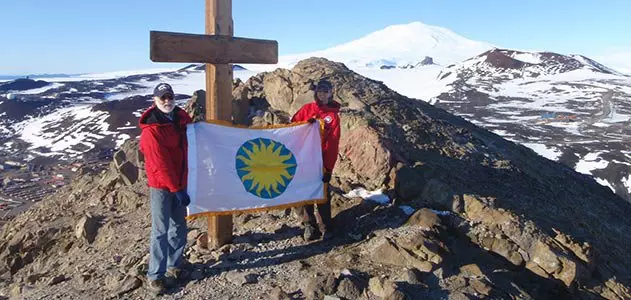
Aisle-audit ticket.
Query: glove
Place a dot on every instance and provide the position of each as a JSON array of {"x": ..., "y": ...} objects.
[
  {"x": 311, "y": 120},
  {"x": 327, "y": 177},
  {"x": 182, "y": 198}
]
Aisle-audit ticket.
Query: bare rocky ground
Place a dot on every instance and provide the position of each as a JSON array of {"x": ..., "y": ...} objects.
[
  {"x": 492, "y": 219},
  {"x": 92, "y": 240}
]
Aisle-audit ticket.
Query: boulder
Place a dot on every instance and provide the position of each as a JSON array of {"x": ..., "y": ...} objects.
[
  {"x": 381, "y": 287},
  {"x": 369, "y": 156},
  {"x": 386, "y": 252},
  {"x": 128, "y": 173},
  {"x": 86, "y": 228},
  {"x": 315, "y": 287},
  {"x": 408, "y": 182},
  {"x": 350, "y": 288},
  {"x": 119, "y": 158},
  {"x": 438, "y": 194},
  {"x": 425, "y": 219}
]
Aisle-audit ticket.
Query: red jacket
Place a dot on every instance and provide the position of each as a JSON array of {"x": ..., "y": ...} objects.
[
  {"x": 163, "y": 143},
  {"x": 331, "y": 140}
]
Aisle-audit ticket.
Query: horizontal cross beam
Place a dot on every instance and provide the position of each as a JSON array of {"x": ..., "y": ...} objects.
[{"x": 212, "y": 49}]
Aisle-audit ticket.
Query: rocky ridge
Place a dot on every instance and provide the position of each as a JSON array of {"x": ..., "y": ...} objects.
[{"x": 491, "y": 218}]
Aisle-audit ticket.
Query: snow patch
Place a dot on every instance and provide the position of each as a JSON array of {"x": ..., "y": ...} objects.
[
  {"x": 376, "y": 196},
  {"x": 606, "y": 183},
  {"x": 591, "y": 162},
  {"x": 531, "y": 58},
  {"x": 627, "y": 183},
  {"x": 419, "y": 83},
  {"x": 503, "y": 133},
  {"x": 34, "y": 131},
  {"x": 39, "y": 90},
  {"x": 121, "y": 139},
  {"x": 83, "y": 127}
]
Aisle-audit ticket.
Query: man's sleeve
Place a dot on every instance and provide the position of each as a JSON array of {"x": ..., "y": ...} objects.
[{"x": 159, "y": 156}]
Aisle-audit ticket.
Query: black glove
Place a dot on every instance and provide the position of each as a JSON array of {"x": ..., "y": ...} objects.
[
  {"x": 327, "y": 177},
  {"x": 182, "y": 198},
  {"x": 311, "y": 120}
]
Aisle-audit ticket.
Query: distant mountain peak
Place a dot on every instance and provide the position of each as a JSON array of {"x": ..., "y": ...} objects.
[
  {"x": 518, "y": 64},
  {"x": 400, "y": 45}
]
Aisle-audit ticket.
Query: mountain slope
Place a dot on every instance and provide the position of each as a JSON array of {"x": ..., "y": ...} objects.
[
  {"x": 569, "y": 108},
  {"x": 79, "y": 118}
]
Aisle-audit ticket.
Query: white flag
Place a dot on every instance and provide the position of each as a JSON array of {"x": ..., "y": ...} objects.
[{"x": 233, "y": 169}]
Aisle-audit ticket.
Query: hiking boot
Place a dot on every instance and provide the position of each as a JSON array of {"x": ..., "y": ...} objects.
[
  {"x": 310, "y": 233},
  {"x": 175, "y": 276},
  {"x": 156, "y": 286},
  {"x": 170, "y": 282},
  {"x": 327, "y": 235}
]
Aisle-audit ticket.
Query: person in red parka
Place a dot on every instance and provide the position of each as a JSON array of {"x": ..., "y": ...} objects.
[
  {"x": 326, "y": 109},
  {"x": 163, "y": 143}
]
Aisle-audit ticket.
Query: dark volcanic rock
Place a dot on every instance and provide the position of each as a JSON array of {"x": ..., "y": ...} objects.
[
  {"x": 22, "y": 84},
  {"x": 427, "y": 61},
  {"x": 500, "y": 60},
  {"x": 16, "y": 110}
]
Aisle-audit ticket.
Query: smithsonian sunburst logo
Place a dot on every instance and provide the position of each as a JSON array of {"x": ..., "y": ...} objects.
[{"x": 265, "y": 167}]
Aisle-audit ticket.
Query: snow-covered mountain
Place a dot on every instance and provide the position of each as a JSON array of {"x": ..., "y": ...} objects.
[
  {"x": 398, "y": 46},
  {"x": 567, "y": 108},
  {"x": 86, "y": 116}
]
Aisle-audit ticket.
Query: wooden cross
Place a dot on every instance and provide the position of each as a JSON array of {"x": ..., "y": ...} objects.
[{"x": 218, "y": 49}]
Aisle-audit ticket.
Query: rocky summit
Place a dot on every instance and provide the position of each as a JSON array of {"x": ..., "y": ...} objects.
[{"x": 470, "y": 216}]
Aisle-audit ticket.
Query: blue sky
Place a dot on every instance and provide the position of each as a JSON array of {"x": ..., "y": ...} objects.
[{"x": 72, "y": 36}]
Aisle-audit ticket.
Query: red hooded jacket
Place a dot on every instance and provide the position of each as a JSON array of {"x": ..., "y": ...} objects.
[
  {"x": 163, "y": 143},
  {"x": 331, "y": 140}
]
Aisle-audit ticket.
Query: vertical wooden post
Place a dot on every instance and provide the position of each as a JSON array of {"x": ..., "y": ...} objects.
[{"x": 219, "y": 102}]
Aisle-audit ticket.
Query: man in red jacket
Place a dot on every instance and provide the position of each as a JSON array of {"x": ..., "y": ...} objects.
[
  {"x": 326, "y": 109},
  {"x": 163, "y": 143}
]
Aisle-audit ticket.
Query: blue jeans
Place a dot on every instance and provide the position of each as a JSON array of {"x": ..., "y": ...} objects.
[{"x": 168, "y": 233}]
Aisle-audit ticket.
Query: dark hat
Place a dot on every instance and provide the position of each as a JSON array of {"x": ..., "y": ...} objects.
[
  {"x": 324, "y": 84},
  {"x": 163, "y": 89}
]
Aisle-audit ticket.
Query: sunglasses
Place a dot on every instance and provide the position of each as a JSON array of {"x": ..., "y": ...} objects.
[{"x": 166, "y": 97}]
